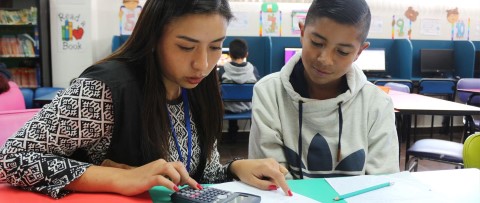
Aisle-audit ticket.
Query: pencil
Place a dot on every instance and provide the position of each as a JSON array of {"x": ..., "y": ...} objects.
[{"x": 365, "y": 190}]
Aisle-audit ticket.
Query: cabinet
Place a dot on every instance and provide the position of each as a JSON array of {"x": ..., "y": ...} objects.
[{"x": 24, "y": 41}]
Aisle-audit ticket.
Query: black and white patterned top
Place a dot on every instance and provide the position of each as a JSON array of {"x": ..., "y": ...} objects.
[{"x": 81, "y": 117}]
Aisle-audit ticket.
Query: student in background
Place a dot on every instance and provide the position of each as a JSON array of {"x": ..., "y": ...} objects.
[
  {"x": 319, "y": 116},
  {"x": 11, "y": 98},
  {"x": 149, "y": 114},
  {"x": 238, "y": 71}
]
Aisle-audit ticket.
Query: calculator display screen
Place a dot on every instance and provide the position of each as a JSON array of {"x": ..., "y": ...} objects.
[{"x": 241, "y": 198}]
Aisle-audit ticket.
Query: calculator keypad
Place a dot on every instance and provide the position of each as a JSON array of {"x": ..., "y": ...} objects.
[{"x": 206, "y": 195}]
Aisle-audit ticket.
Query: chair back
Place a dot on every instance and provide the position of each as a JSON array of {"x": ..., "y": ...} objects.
[
  {"x": 468, "y": 83},
  {"x": 28, "y": 97},
  {"x": 471, "y": 151},
  {"x": 12, "y": 121},
  {"x": 237, "y": 92},
  {"x": 398, "y": 87},
  {"x": 41, "y": 91},
  {"x": 438, "y": 86},
  {"x": 382, "y": 82},
  {"x": 12, "y": 99}
]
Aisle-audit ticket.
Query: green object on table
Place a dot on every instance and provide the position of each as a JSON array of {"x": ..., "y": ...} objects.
[
  {"x": 315, "y": 188},
  {"x": 365, "y": 190}
]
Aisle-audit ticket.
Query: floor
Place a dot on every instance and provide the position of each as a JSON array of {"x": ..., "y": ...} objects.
[{"x": 239, "y": 148}]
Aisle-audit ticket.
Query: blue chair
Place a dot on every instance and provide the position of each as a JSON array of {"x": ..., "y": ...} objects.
[
  {"x": 28, "y": 96},
  {"x": 382, "y": 82},
  {"x": 232, "y": 92},
  {"x": 471, "y": 99},
  {"x": 118, "y": 41},
  {"x": 438, "y": 87},
  {"x": 398, "y": 87},
  {"x": 41, "y": 92}
]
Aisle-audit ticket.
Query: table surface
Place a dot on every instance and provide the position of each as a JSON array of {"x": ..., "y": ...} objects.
[
  {"x": 460, "y": 185},
  {"x": 419, "y": 104}
]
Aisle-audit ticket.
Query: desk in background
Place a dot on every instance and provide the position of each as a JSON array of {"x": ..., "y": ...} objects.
[
  {"x": 415, "y": 104},
  {"x": 458, "y": 185}
]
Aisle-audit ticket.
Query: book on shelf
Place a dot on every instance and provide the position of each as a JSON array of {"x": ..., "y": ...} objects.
[
  {"x": 25, "y": 77},
  {"x": 21, "y": 45},
  {"x": 26, "y": 16}
]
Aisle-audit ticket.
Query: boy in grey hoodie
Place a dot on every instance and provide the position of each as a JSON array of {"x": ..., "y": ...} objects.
[
  {"x": 319, "y": 116},
  {"x": 238, "y": 71}
]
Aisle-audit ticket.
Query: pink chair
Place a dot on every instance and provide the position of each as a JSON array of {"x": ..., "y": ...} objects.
[
  {"x": 12, "y": 99},
  {"x": 12, "y": 121}
]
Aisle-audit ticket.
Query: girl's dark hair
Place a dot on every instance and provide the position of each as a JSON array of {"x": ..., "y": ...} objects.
[
  {"x": 4, "y": 86},
  {"x": 238, "y": 49},
  {"x": 205, "y": 101},
  {"x": 349, "y": 12}
]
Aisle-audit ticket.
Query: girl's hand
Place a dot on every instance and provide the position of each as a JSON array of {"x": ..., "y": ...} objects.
[
  {"x": 266, "y": 174},
  {"x": 110, "y": 163},
  {"x": 140, "y": 179},
  {"x": 127, "y": 180}
]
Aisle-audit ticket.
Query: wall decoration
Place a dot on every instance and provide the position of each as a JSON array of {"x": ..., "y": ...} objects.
[
  {"x": 376, "y": 25},
  {"x": 270, "y": 20},
  {"x": 452, "y": 17},
  {"x": 297, "y": 17},
  {"x": 398, "y": 27},
  {"x": 239, "y": 22},
  {"x": 460, "y": 29},
  {"x": 128, "y": 14},
  {"x": 430, "y": 27},
  {"x": 71, "y": 25},
  {"x": 411, "y": 15}
]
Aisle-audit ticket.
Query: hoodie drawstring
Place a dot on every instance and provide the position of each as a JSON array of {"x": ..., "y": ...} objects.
[
  {"x": 299, "y": 161},
  {"x": 340, "y": 126}
]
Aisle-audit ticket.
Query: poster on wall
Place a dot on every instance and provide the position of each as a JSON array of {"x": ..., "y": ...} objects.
[
  {"x": 270, "y": 20},
  {"x": 430, "y": 26},
  {"x": 128, "y": 14},
  {"x": 376, "y": 25},
  {"x": 297, "y": 17},
  {"x": 72, "y": 25},
  {"x": 239, "y": 22}
]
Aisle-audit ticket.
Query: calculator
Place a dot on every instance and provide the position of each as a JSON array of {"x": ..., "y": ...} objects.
[{"x": 212, "y": 195}]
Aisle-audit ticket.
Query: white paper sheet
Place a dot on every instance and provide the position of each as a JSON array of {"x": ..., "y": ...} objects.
[
  {"x": 277, "y": 196},
  {"x": 406, "y": 188}
]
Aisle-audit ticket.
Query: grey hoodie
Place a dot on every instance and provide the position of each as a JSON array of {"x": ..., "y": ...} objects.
[
  {"x": 240, "y": 75},
  {"x": 361, "y": 119}
]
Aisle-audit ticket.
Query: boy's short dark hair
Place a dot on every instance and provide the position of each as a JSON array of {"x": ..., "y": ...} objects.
[
  {"x": 238, "y": 49},
  {"x": 348, "y": 12}
]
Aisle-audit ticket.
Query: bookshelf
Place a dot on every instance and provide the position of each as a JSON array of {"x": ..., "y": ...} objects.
[{"x": 24, "y": 48}]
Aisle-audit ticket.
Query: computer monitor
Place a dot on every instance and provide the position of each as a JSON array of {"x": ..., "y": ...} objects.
[
  {"x": 289, "y": 52},
  {"x": 437, "y": 61},
  {"x": 225, "y": 58},
  {"x": 372, "y": 60}
]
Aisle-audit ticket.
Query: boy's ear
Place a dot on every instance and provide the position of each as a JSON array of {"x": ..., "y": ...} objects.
[
  {"x": 301, "y": 25},
  {"x": 363, "y": 47}
]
